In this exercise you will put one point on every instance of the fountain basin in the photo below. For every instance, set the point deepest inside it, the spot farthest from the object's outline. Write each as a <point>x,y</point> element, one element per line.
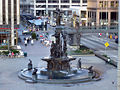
<point>82,75</point>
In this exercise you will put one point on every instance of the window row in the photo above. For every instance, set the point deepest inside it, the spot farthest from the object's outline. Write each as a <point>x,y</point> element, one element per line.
<point>52,6</point>
<point>62,1</point>
<point>104,4</point>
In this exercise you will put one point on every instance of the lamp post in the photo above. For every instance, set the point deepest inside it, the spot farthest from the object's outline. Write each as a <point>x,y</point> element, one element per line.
<point>118,65</point>
<point>33,24</point>
<point>8,40</point>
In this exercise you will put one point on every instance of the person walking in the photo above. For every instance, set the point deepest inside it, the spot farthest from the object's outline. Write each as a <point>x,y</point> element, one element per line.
<point>32,42</point>
<point>30,37</point>
<point>12,54</point>
<point>25,42</point>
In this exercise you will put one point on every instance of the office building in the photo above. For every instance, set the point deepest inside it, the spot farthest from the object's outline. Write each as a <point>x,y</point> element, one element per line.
<point>102,12</point>
<point>9,21</point>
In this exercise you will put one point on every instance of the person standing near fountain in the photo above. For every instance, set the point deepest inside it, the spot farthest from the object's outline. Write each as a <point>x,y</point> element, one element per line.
<point>34,75</point>
<point>79,63</point>
<point>30,65</point>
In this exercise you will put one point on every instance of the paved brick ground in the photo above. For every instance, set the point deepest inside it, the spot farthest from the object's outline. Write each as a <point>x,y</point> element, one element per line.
<point>9,69</point>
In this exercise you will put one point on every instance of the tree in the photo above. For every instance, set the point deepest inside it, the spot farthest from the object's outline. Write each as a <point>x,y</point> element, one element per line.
<point>33,35</point>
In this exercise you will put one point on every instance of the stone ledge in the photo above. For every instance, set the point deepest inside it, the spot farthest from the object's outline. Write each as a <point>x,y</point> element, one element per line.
<point>112,62</point>
<point>60,81</point>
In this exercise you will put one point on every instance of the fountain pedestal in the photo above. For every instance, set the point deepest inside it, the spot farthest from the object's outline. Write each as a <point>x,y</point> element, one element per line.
<point>58,67</point>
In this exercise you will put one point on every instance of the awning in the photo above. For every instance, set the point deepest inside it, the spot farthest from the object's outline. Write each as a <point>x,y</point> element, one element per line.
<point>4,32</point>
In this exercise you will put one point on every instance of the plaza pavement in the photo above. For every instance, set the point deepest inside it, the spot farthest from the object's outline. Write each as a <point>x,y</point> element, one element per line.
<point>9,69</point>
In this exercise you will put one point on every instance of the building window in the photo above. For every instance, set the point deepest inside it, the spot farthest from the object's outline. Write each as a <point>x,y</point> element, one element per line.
<point>53,6</point>
<point>106,4</point>
<point>116,4</point>
<point>53,1</point>
<point>112,3</point>
<point>9,11</point>
<point>88,14</point>
<point>114,16</point>
<point>40,1</point>
<point>76,5</point>
<point>65,6</point>
<point>15,11</point>
<point>3,10</point>
<point>104,15</point>
<point>75,1</point>
<point>101,4</point>
<point>40,6</point>
<point>83,14</point>
<point>84,1</point>
<point>64,1</point>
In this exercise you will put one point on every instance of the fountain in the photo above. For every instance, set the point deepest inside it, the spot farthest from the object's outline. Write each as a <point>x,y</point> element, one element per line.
<point>58,68</point>
<point>58,63</point>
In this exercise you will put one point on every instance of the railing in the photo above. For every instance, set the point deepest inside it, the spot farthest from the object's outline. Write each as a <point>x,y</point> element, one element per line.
<point>115,27</point>
<point>93,29</point>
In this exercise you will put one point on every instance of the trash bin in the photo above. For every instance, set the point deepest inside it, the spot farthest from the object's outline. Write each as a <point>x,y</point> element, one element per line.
<point>36,38</point>
<point>25,54</point>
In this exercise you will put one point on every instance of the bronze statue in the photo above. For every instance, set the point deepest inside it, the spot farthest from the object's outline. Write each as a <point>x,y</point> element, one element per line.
<point>34,71</point>
<point>52,49</point>
<point>79,63</point>
<point>30,65</point>
<point>58,16</point>
<point>90,69</point>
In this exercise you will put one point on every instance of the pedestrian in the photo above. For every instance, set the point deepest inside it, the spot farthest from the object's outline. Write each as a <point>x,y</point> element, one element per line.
<point>32,42</point>
<point>12,54</point>
<point>79,63</point>
<point>41,40</point>
<point>24,38</point>
<point>47,43</point>
<point>112,82</point>
<point>25,42</point>
<point>30,37</point>
<point>28,40</point>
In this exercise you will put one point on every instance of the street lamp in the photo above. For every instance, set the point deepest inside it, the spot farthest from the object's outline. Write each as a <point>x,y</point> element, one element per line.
<point>33,24</point>
<point>8,41</point>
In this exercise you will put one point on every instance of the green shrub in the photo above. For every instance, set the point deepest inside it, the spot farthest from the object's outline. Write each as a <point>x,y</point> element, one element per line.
<point>84,50</point>
<point>106,56</point>
<point>14,51</point>
<point>33,35</point>
<point>5,53</point>
<point>0,53</point>
<point>4,47</point>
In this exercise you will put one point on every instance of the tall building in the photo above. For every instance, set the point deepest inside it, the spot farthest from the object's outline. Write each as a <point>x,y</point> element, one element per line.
<point>46,7</point>
<point>9,21</point>
<point>102,12</point>
<point>42,7</point>
<point>26,7</point>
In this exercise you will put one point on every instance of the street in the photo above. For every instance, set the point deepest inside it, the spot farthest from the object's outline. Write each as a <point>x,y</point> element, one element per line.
<point>97,44</point>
